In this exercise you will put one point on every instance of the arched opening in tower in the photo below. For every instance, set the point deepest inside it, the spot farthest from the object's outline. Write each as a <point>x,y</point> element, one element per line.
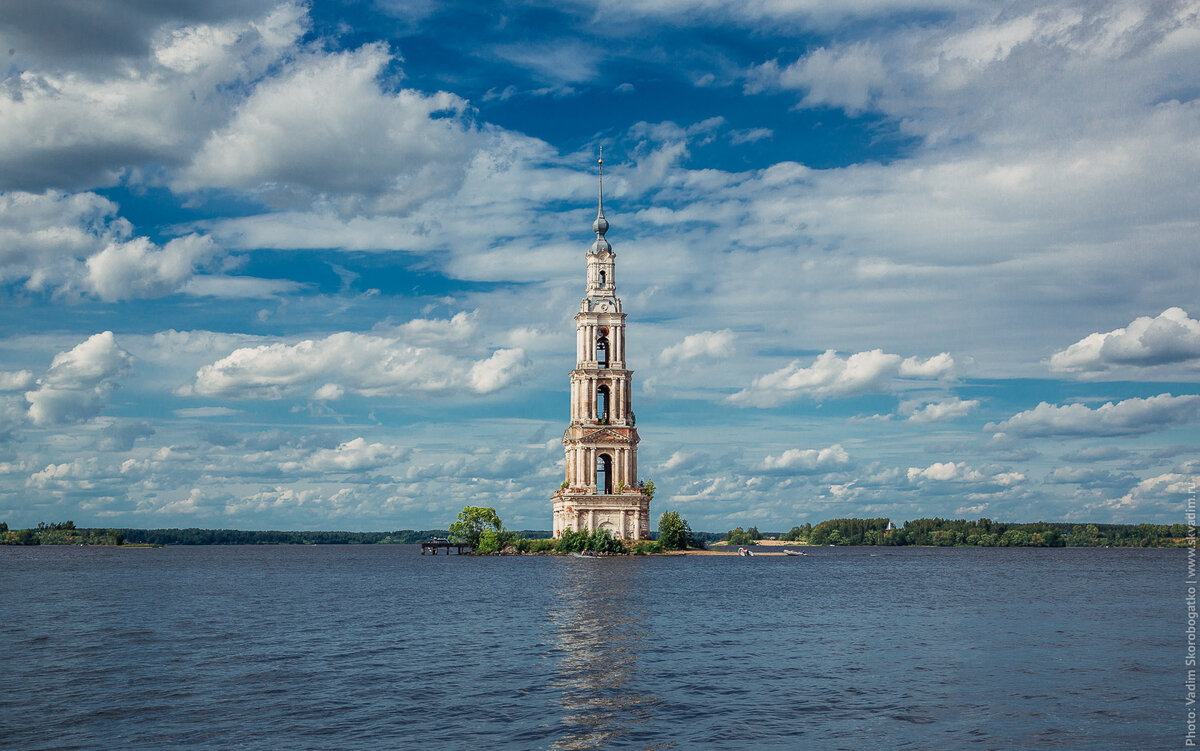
<point>602,351</point>
<point>602,403</point>
<point>604,474</point>
<point>602,278</point>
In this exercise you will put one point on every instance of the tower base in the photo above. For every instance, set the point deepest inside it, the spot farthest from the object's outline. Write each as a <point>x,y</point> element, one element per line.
<point>625,515</point>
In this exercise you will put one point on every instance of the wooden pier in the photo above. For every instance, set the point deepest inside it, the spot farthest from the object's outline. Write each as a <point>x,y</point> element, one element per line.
<point>434,545</point>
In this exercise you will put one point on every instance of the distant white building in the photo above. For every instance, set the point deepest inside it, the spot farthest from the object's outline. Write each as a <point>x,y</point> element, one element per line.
<point>601,490</point>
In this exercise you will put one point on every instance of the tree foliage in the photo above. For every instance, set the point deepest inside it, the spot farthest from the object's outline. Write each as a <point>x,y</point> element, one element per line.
<point>471,523</point>
<point>674,532</point>
<point>938,532</point>
<point>741,536</point>
<point>598,541</point>
<point>797,534</point>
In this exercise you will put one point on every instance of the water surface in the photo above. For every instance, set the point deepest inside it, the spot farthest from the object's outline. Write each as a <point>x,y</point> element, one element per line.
<point>377,646</point>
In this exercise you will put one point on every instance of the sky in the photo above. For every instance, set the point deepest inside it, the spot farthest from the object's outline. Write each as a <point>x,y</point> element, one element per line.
<point>286,265</point>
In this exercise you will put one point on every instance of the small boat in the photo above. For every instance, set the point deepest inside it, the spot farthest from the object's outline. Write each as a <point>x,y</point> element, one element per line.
<point>793,552</point>
<point>585,554</point>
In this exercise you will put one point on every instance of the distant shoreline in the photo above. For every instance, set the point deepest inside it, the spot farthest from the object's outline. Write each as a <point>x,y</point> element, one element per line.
<point>839,532</point>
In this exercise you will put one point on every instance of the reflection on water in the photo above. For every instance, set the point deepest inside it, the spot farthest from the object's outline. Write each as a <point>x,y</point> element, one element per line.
<point>599,624</point>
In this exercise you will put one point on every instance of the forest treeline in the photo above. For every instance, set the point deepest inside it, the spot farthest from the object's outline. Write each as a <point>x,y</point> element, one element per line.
<point>59,533</point>
<point>937,532</point>
<point>66,533</point>
<point>988,533</point>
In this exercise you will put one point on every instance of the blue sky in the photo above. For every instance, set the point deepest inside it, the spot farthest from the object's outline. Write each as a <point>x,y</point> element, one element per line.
<point>314,266</point>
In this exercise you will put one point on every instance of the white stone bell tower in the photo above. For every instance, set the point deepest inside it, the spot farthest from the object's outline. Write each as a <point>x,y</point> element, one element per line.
<point>601,490</point>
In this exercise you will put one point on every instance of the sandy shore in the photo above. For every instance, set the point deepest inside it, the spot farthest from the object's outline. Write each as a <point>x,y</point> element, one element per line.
<point>725,550</point>
<point>715,549</point>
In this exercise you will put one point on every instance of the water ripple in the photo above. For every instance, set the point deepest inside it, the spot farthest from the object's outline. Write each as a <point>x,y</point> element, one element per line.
<point>365,646</point>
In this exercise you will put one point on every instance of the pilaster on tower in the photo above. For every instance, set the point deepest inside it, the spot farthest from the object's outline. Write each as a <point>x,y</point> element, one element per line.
<point>601,490</point>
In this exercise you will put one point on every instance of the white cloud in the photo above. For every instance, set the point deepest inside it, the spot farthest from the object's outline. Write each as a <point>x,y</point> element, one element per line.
<point>79,381</point>
<point>197,502</point>
<point>1129,417</point>
<point>75,473</point>
<point>832,376</point>
<point>945,472</point>
<point>69,129</point>
<point>75,243</point>
<point>556,63</point>
<point>355,455</point>
<point>938,366</point>
<point>847,77</point>
<point>956,477</point>
<point>750,135</point>
<point>1172,337</point>
<point>947,409</point>
<point>808,461</point>
<point>366,364</point>
<point>139,269</point>
<point>326,128</point>
<point>788,14</point>
<point>1165,491</point>
<point>15,380</point>
<point>706,344</point>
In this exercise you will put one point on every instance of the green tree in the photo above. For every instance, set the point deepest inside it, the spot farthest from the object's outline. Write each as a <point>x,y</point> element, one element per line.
<point>472,521</point>
<point>494,541</point>
<point>571,541</point>
<point>602,541</point>
<point>648,489</point>
<point>741,536</point>
<point>673,531</point>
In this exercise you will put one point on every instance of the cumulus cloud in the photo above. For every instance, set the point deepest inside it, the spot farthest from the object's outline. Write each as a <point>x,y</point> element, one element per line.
<point>325,127</point>
<point>1171,337</point>
<point>366,364</point>
<point>64,475</point>
<point>808,461</point>
<point>1129,417</point>
<point>77,243</point>
<point>79,382</point>
<point>1165,490</point>
<point>961,474</point>
<point>707,344</point>
<point>139,269</point>
<point>947,409</point>
<point>352,456</point>
<point>15,380</point>
<point>80,129</point>
<point>833,376</point>
<point>61,34</point>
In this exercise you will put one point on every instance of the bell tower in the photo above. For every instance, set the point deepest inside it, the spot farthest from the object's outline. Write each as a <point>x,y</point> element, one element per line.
<point>601,490</point>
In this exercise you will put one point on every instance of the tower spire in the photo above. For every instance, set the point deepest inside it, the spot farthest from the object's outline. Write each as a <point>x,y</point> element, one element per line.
<point>600,226</point>
<point>600,179</point>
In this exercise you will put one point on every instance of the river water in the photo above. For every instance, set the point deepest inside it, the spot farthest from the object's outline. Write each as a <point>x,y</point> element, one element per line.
<point>376,646</point>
